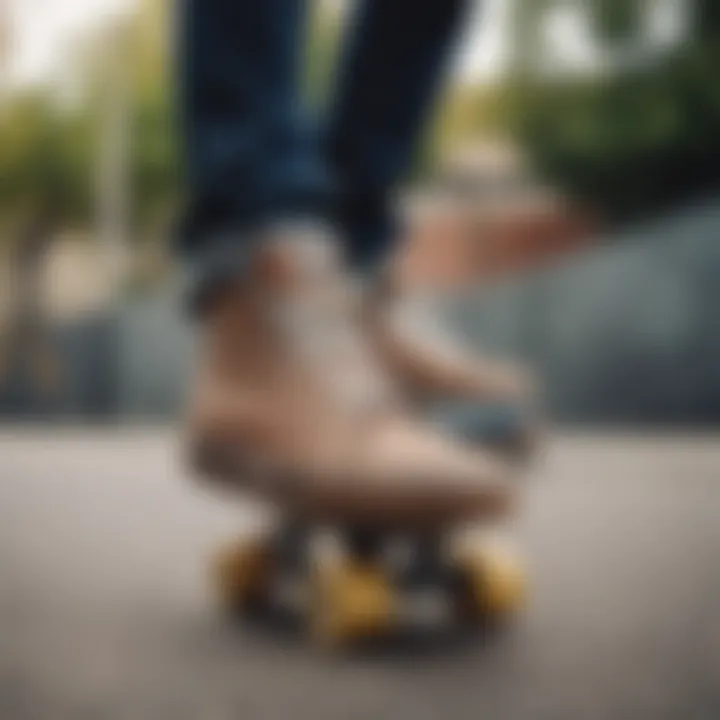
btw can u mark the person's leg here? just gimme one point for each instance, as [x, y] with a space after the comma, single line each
[393, 70]
[390, 76]
[248, 162]
[287, 392]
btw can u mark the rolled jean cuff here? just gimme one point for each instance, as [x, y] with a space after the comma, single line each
[225, 258]
[217, 262]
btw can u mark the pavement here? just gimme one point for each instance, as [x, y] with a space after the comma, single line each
[105, 611]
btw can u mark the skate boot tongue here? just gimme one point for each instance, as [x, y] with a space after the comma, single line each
[314, 311]
[293, 259]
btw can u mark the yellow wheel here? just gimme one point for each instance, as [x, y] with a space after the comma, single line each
[351, 601]
[243, 573]
[492, 585]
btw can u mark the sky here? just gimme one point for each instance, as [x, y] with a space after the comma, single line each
[45, 29]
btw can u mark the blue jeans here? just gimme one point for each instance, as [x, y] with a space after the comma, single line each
[255, 156]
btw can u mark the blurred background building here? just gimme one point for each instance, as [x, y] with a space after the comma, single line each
[564, 208]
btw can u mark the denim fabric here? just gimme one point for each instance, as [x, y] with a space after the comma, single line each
[253, 153]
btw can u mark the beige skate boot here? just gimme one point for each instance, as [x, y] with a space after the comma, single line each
[291, 402]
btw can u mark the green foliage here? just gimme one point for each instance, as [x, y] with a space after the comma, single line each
[631, 142]
[617, 20]
[468, 114]
[44, 160]
[707, 20]
[49, 153]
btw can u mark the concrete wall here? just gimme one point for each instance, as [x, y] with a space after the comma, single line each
[630, 332]
[156, 355]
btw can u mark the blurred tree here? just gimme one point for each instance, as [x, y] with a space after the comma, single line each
[706, 20]
[634, 140]
[617, 20]
[49, 161]
[43, 165]
[43, 186]
[66, 164]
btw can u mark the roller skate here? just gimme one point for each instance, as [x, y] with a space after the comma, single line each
[305, 419]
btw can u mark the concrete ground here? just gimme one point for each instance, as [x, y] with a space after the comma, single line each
[104, 610]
